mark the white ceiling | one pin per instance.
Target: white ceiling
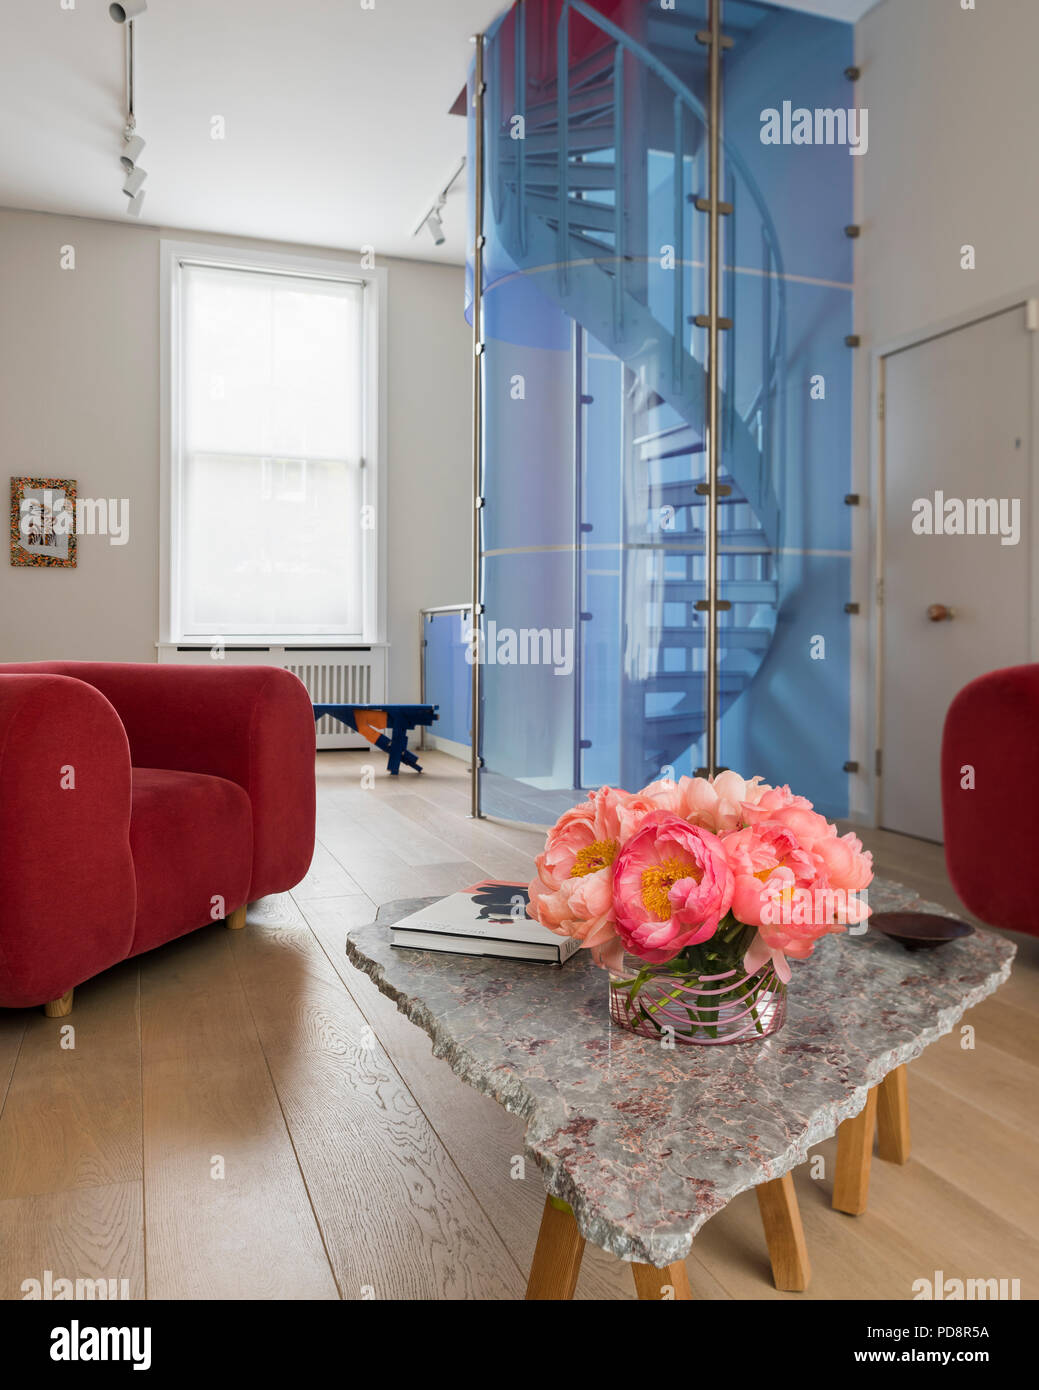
(338, 132)
(337, 124)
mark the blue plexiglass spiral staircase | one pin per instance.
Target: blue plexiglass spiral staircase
(570, 165)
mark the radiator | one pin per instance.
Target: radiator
(332, 676)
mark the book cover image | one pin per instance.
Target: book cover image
(491, 907)
(499, 901)
(485, 918)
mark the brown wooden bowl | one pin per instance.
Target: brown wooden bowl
(920, 931)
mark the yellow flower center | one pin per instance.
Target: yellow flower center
(785, 894)
(658, 882)
(594, 857)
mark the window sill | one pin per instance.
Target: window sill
(307, 644)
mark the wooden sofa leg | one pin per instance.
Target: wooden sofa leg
(236, 919)
(59, 1008)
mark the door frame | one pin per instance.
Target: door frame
(1028, 303)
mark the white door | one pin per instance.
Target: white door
(957, 450)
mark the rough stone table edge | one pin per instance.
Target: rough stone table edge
(508, 1088)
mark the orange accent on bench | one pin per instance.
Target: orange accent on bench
(370, 723)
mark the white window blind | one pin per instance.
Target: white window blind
(271, 433)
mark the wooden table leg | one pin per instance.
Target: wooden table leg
(557, 1255)
(784, 1234)
(854, 1154)
(671, 1282)
(893, 1117)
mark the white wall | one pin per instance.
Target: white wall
(79, 398)
(953, 109)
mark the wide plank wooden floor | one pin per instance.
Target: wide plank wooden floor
(243, 1115)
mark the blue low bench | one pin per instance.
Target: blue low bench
(398, 719)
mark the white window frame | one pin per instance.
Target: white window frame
(173, 256)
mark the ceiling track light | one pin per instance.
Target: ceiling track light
(131, 151)
(432, 220)
(135, 182)
(132, 8)
(133, 144)
(435, 225)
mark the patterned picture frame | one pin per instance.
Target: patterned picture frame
(43, 522)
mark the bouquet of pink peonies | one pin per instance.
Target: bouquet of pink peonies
(710, 884)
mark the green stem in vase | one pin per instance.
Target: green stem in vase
(749, 993)
(672, 998)
(722, 955)
(647, 1017)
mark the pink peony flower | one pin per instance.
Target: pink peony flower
(771, 800)
(632, 812)
(846, 864)
(665, 794)
(672, 885)
(657, 871)
(759, 953)
(585, 839)
(841, 860)
(808, 827)
(714, 804)
(572, 893)
(784, 889)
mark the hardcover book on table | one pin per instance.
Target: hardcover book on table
(488, 918)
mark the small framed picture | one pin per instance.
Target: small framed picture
(43, 522)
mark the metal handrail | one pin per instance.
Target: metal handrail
(619, 237)
(678, 230)
(684, 97)
(679, 88)
(563, 128)
(520, 103)
(479, 90)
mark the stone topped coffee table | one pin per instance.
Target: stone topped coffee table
(640, 1144)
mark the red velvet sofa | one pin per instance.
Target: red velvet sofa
(138, 803)
(990, 769)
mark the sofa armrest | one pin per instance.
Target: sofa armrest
(67, 892)
(253, 725)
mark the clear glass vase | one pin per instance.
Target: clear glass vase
(672, 1002)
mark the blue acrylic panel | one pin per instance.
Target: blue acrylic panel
(594, 405)
(529, 678)
(791, 725)
(448, 674)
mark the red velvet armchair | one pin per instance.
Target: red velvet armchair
(138, 803)
(990, 766)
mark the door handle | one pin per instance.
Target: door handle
(938, 613)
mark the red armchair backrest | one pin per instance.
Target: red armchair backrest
(990, 772)
(67, 892)
(253, 725)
